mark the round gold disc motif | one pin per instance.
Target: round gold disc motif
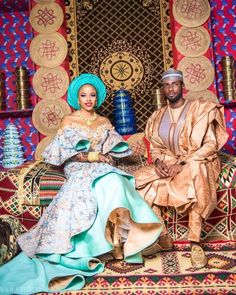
(192, 42)
(198, 72)
(121, 70)
(191, 13)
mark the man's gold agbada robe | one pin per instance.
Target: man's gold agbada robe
(193, 141)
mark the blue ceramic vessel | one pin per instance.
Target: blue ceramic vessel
(124, 115)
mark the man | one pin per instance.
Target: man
(184, 139)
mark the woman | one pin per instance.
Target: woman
(96, 211)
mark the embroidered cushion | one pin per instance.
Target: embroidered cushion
(10, 228)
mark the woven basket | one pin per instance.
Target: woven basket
(48, 113)
(41, 147)
(50, 83)
(48, 50)
(191, 13)
(46, 17)
(192, 42)
(198, 72)
(205, 94)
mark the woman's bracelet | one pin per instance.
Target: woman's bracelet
(93, 156)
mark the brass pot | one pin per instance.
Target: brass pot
(158, 100)
(23, 86)
(227, 61)
(228, 83)
(23, 104)
(228, 74)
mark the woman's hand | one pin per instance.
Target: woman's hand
(106, 159)
(81, 157)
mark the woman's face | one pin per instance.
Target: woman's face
(87, 97)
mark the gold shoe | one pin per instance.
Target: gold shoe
(198, 257)
(164, 243)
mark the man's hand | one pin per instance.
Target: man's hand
(174, 170)
(161, 169)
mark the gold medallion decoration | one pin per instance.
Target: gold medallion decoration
(191, 13)
(50, 83)
(122, 65)
(205, 94)
(192, 42)
(121, 70)
(73, 8)
(41, 147)
(198, 72)
(48, 50)
(46, 17)
(48, 113)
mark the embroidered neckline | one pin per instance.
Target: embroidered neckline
(94, 135)
(177, 111)
(77, 125)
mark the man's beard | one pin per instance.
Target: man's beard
(174, 99)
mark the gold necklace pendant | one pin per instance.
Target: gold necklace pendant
(88, 121)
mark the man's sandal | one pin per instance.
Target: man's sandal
(198, 257)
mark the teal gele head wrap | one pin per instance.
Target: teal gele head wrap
(81, 80)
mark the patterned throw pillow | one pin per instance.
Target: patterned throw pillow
(10, 228)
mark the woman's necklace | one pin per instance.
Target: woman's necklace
(88, 121)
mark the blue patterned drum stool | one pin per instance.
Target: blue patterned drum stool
(124, 115)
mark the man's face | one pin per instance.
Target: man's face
(172, 89)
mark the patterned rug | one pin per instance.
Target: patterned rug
(168, 273)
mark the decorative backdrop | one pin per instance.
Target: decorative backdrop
(123, 42)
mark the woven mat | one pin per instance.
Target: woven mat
(168, 273)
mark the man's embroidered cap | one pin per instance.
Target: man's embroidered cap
(172, 73)
(81, 80)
